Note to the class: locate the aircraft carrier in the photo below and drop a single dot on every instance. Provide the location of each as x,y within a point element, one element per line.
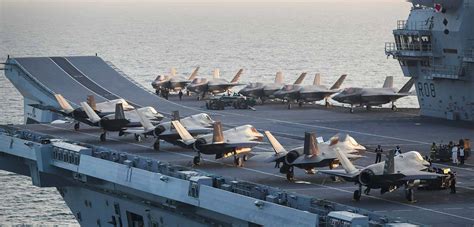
<point>125,183</point>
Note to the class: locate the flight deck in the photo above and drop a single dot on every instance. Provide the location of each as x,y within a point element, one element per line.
<point>77,77</point>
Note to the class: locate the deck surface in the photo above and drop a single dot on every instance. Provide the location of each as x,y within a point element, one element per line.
<point>379,126</point>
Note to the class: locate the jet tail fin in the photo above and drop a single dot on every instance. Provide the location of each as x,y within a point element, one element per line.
<point>183,133</point>
<point>345,162</point>
<point>388,82</point>
<point>91,101</point>
<point>237,76</point>
<point>310,144</point>
<point>119,113</point>
<point>317,79</point>
<point>389,167</point>
<point>194,74</point>
<point>91,114</point>
<point>277,147</point>
<point>173,71</point>
<point>216,74</point>
<point>300,78</point>
<point>407,87</point>
<point>65,106</point>
<point>175,116</point>
<point>279,78</point>
<point>339,82</point>
<point>144,121</point>
<point>218,134</point>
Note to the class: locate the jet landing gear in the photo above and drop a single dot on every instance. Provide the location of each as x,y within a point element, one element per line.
<point>290,175</point>
<point>239,161</point>
<point>357,193</point>
<point>103,137</point>
<point>77,126</point>
<point>394,108</point>
<point>138,138</point>
<point>156,145</point>
<point>197,160</point>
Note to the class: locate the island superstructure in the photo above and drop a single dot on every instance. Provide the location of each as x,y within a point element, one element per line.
<point>435,46</point>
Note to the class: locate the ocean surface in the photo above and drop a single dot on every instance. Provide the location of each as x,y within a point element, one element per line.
<point>145,39</point>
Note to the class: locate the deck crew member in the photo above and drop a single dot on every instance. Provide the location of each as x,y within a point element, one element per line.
<point>398,151</point>
<point>433,151</point>
<point>378,152</point>
<point>461,154</point>
<point>454,154</point>
<point>180,94</point>
<point>452,182</point>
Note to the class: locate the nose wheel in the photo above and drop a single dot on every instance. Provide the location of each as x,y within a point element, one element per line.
<point>290,175</point>
<point>77,126</point>
<point>197,160</point>
<point>138,138</point>
<point>357,194</point>
<point>394,108</point>
<point>103,137</point>
<point>238,161</point>
<point>156,145</point>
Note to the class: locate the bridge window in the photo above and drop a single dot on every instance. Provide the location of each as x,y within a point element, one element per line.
<point>413,42</point>
<point>135,220</point>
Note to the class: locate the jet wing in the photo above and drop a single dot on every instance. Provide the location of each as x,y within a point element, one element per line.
<point>198,130</point>
<point>268,156</point>
<point>134,130</point>
<point>341,173</point>
<point>229,145</point>
<point>49,108</point>
<point>420,175</point>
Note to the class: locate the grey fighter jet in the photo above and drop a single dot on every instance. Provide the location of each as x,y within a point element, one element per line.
<point>266,91</point>
<point>173,82</point>
<point>195,124</point>
<point>203,86</point>
<point>105,109</point>
<point>235,142</point>
<point>309,93</point>
<point>406,169</point>
<point>311,155</point>
<point>117,122</point>
<point>374,96</point>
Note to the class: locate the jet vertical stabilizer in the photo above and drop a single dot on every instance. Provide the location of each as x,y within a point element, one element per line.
<point>389,167</point>
<point>339,82</point>
<point>300,78</point>
<point>277,147</point>
<point>279,78</point>
<point>183,133</point>
<point>388,82</point>
<point>194,74</point>
<point>91,101</point>
<point>237,76</point>
<point>407,87</point>
<point>317,79</point>
<point>216,74</point>
<point>65,106</point>
<point>93,117</point>
<point>119,114</point>
<point>346,163</point>
<point>217,135</point>
<point>144,121</point>
<point>310,144</point>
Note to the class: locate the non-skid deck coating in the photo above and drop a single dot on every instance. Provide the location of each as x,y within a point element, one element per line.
<point>380,126</point>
